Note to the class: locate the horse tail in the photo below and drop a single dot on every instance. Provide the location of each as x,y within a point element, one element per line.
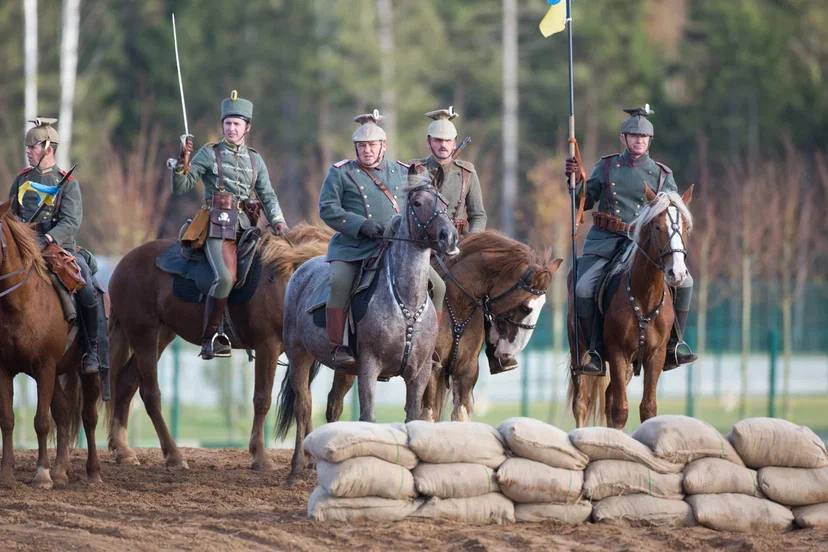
<point>120,358</point>
<point>287,400</point>
<point>73,399</point>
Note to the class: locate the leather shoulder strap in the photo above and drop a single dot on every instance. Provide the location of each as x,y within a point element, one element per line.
<point>464,190</point>
<point>219,171</point>
<point>383,188</point>
<point>662,176</point>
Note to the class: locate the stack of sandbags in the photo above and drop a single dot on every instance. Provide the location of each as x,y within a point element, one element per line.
<point>545,475</point>
<point>627,482</point>
<point>792,463</point>
<point>456,473</point>
<point>363,472</point>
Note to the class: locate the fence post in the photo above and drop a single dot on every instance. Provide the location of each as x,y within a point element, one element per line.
<point>176,388</point>
<point>524,388</point>
<point>773,351</point>
<point>690,402</point>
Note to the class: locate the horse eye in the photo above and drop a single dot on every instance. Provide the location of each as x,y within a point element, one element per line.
<point>417,203</point>
<point>525,310</point>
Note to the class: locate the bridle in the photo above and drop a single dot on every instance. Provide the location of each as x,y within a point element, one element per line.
<point>458,327</point>
<point>673,230</point>
<point>8,275</point>
<point>424,226</point>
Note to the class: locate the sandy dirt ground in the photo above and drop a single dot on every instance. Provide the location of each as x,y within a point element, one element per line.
<point>221,504</point>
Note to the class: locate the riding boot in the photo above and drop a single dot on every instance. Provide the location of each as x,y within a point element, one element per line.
<point>678,351</point>
<point>90,364</point>
<point>213,344</point>
<point>341,355</point>
<point>590,328</point>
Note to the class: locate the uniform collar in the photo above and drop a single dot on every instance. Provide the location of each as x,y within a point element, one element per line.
<point>53,169</point>
<point>381,167</point>
<point>436,163</point>
<point>234,148</point>
<point>627,160</point>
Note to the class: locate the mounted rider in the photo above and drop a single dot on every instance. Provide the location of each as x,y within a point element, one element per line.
<point>358,199</point>
<point>231,171</point>
<point>616,186</point>
<point>49,199</point>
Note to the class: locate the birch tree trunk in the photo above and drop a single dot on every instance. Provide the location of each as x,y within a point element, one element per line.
<point>510,117</point>
<point>29,64</point>
<point>68,76</point>
<point>385,15</point>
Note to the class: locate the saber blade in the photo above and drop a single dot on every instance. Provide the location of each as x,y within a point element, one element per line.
<point>180,84</point>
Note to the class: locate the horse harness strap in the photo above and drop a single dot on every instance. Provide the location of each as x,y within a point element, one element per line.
<point>411,317</point>
<point>643,320</point>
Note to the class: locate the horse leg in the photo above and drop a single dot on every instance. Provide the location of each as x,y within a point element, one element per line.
<point>146,359</point>
<point>652,371</point>
<point>616,406</point>
<point>342,383</point>
<point>7,427</point>
<point>60,414</point>
<point>414,390</point>
<point>462,388</point>
<point>45,390</point>
<point>262,393</point>
<point>126,385</point>
<point>369,369</point>
<point>299,382</point>
<point>91,389</point>
<point>580,399</point>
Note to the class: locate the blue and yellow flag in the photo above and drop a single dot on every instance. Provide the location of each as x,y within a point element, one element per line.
<point>555,19</point>
<point>42,194</point>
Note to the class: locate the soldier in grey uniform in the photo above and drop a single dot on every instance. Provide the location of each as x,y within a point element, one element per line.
<point>227,166</point>
<point>56,213</point>
<point>358,198</point>
<point>616,186</point>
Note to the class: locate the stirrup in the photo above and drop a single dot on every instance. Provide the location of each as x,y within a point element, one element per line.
<point>676,357</point>
<point>224,348</point>
<point>594,367</point>
<point>343,358</point>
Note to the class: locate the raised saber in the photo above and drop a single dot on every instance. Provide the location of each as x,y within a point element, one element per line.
<point>180,84</point>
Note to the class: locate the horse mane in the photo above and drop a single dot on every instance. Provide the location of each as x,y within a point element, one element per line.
<point>506,257</point>
<point>27,244</point>
<point>308,241</point>
<point>648,213</point>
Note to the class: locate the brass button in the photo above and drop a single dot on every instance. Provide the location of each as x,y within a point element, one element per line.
<point>612,183</point>
<point>369,215</point>
<point>365,196</point>
<point>617,211</point>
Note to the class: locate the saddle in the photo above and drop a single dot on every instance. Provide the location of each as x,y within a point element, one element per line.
<point>192,275</point>
<point>365,284</point>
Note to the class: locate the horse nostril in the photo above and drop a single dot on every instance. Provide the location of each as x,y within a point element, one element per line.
<point>443,235</point>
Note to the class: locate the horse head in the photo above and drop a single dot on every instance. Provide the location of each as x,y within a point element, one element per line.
<point>427,216</point>
<point>661,230</point>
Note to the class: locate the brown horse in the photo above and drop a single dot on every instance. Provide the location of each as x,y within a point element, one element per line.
<point>493,276</point>
<point>37,341</point>
<point>146,316</point>
<point>640,315</point>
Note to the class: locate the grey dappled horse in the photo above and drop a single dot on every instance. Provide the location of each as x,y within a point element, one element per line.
<point>395,338</point>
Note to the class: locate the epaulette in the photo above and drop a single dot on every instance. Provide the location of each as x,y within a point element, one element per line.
<point>63,173</point>
<point>610,155</point>
<point>664,167</point>
<point>252,149</point>
<point>26,170</point>
<point>464,165</point>
<point>340,164</point>
<point>404,165</point>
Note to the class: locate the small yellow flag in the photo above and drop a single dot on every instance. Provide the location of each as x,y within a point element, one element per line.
<point>555,19</point>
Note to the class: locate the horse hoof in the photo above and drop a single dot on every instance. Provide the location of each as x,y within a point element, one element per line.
<point>7,481</point>
<point>42,479</point>
<point>60,480</point>
<point>126,457</point>
<point>262,465</point>
<point>94,479</point>
<point>177,464</point>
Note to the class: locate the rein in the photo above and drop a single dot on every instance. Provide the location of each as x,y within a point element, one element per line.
<point>13,274</point>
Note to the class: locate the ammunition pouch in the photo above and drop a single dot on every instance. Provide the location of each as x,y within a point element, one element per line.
<point>224,216</point>
<point>64,266</point>
<point>611,223</point>
<point>253,209</point>
<point>194,233</point>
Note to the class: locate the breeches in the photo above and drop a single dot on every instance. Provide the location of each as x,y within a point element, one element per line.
<point>223,275</point>
<point>438,289</point>
<point>87,297</point>
<point>342,280</point>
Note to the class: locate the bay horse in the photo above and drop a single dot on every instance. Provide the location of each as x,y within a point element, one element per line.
<point>395,338</point>
<point>36,340</point>
<point>494,277</point>
<point>146,317</point>
<point>639,316</point>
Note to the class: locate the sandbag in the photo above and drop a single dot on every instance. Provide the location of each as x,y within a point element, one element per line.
<point>535,440</point>
<point>324,507</point>
<point>715,475</point>
<point>738,512</point>
<point>527,481</point>
<point>604,478</point>
<point>681,439</point>
<point>365,476</point>
<point>641,509</point>
<point>489,508</point>
<point>606,443</point>
<point>794,486</point>
<point>461,480</point>
<point>571,514</point>
<point>815,515</point>
<point>451,442</point>
<point>339,441</point>
<point>763,442</point>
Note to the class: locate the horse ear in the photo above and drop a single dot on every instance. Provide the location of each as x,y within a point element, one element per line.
<point>555,265</point>
<point>649,194</point>
<point>687,196</point>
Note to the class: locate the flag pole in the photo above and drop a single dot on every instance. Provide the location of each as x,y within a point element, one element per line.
<point>572,187</point>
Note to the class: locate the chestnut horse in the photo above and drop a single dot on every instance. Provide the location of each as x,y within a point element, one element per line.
<point>36,340</point>
<point>146,316</point>
<point>493,276</point>
<point>640,315</point>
